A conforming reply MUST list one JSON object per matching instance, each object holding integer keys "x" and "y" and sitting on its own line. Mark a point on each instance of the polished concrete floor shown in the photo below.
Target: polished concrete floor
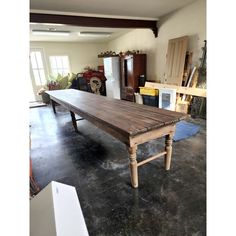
{"x": 167, "y": 203}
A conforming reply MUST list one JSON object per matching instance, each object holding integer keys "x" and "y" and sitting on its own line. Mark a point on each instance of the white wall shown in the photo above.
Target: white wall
{"x": 80, "y": 54}
{"x": 139, "y": 39}
{"x": 190, "y": 20}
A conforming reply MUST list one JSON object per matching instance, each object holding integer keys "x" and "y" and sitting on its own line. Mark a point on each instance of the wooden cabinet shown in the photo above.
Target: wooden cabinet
{"x": 132, "y": 66}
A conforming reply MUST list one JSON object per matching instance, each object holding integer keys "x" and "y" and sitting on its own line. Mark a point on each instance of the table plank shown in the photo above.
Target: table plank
{"x": 125, "y": 117}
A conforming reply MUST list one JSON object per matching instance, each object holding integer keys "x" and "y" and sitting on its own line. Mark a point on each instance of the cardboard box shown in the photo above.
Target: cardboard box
{"x": 182, "y": 106}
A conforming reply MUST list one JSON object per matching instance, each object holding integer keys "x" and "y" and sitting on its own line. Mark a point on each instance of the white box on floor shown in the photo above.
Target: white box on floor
{"x": 56, "y": 211}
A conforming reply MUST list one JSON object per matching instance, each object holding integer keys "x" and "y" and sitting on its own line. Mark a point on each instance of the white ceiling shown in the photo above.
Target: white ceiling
{"x": 74, "y": 37}
{"x": 136, "y": 9}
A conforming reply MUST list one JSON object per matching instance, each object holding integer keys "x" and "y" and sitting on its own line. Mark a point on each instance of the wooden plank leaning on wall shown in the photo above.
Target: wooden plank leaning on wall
{"x": 175, "y": 60}
{"x": 179, "y": 89}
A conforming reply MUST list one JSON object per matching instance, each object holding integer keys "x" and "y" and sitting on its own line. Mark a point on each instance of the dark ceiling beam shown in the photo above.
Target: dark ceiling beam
{"x": 87, "y": 21}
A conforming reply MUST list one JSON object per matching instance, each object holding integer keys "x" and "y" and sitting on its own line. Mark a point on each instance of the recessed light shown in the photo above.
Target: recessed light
{"x": 51, "y": 32}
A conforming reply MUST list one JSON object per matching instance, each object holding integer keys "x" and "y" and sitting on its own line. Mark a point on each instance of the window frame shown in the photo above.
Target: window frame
{"x": 53, "y": 69}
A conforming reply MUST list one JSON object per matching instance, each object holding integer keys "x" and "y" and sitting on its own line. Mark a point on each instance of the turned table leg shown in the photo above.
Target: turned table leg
{"x": 53, "y": 106}
{"x": 74, "y": 121}
{"x": 133, "y": 166}
{"x": 168, "y": 149}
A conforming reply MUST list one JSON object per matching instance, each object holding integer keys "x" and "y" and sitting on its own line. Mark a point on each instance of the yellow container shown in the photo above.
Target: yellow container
{"x": 148, "y": 91}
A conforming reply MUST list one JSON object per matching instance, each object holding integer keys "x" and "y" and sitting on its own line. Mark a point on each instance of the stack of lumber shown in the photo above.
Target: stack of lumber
{"x": 188, "y": 88}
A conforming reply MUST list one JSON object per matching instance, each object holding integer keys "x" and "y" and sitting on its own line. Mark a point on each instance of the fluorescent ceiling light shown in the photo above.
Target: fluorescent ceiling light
{"x": 94, "y": 34}
{"x": 52, "y": 24}
{"x": 49, "y": 24}
{"x": 51, "y": 33}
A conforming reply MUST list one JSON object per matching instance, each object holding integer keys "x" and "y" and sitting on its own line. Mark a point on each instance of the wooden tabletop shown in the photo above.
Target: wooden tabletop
{"x": 123, "y": 116}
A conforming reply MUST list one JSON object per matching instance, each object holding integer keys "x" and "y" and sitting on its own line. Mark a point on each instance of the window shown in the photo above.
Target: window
{"x": 37, "y": 67}
{"x": 59, "y": 65}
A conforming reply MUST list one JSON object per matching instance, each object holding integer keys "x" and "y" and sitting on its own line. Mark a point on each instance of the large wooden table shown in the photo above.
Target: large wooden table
{"x": 131, "y": 123}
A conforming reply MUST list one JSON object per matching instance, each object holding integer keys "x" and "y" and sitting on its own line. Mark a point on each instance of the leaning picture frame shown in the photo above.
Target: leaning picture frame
{"x": 167, "y": 98}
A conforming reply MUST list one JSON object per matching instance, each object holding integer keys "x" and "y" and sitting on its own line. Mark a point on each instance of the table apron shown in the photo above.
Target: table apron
{"x": 152, "y": 134}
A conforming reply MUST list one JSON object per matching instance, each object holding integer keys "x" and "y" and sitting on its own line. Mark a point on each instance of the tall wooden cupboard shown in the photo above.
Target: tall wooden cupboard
{"x": 132, "y": 67}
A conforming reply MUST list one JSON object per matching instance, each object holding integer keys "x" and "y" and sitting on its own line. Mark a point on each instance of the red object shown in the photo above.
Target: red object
{"x": 93, "y": 73}
{"x": 53, "y": 86}
{"x": 30, "y": 169}
{"x": 34, "y": 189}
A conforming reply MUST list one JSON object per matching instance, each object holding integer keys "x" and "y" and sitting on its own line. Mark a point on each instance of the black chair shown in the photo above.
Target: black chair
{"x": 83, "y": 84}
{"x": 80, "y": 83}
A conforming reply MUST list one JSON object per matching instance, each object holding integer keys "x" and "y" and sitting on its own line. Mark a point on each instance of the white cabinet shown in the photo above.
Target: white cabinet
{"x": 112, "y": 74}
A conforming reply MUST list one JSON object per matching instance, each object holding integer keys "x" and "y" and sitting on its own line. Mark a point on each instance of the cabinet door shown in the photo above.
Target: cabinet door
{"x": 128, "y": 71}
{"x": 107, "y": 61}
{"x": 132, "y": 66}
